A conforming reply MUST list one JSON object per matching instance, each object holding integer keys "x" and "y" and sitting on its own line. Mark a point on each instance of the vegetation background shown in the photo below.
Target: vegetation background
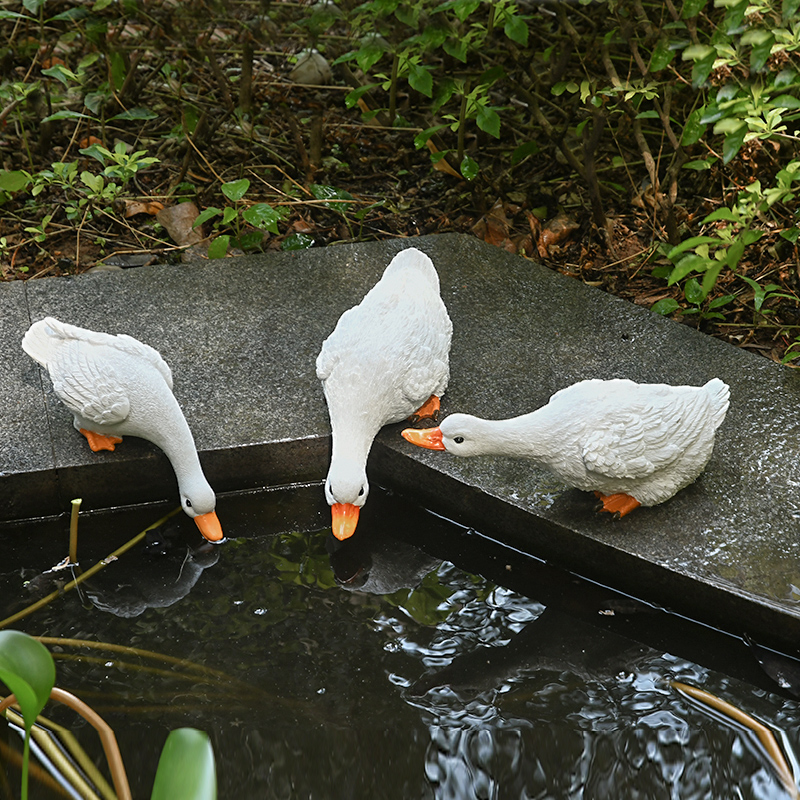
{"x": 647, "y": 148}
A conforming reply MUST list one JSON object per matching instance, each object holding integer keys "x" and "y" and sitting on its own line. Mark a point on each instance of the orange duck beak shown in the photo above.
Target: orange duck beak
{"x": 424, "y": 437}
{"x": 344, "y": 520}
{"x": 209, "y": 526}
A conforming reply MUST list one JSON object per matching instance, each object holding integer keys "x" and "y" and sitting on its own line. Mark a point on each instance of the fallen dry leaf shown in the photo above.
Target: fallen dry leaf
{"x": 178, "y": 221}
{"x": 558, "y": 230}
{"x": 88, "y": 141}
{"x": 134, "y": 207}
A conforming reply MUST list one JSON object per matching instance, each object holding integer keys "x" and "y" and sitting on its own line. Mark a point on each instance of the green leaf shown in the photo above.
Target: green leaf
{"x": 732, "y": 144}
{"x": 206, "y": 215}
{"x": 65, "y": 114}
{"x": 665, "y": 306}
{"x": 354, "y": 96}
{"x": 721, "y": 214}
{"x": 695, "y": 128}
{"x": 421, "y": 139}
{"x": 27, "y": 669}
{"x": 60, "y": 73}
{"x": 457, "y": 48}
{"x": 135, "y": 113}
{"x": 702, "y": 69}
{"x": 693, "y": 292}
{"x": 523, "y": 151}
{"x": 74, "y": 14}
{"x": 691, "y": 8}
{"x": 469, "y": 168}
{"x": 790, "y": 234}
{"x": 228, "y": 215}
{"x": 118, "y": 70}
{"x": 235, "y": 190}
{"x": 323, "y": 192}
{"x": 186, "y": 769}
{"x": 710, "y": 278}
{"x": 219, "y": 247}
{"x": 420, "y": 79}
{"x": 297, "y": 241}
{"x": 721, "y": 301}
{"x": 662, "y": 55}
{"x": 488, "y": 120}
{"x": 13, "y": 15}
{"x": 700, "y": 164}
{"x": 262, "y": 216}
{"x": 692, "y": 263}
{"x": 517, "y": 30}
{"x": 33, "y": 5}
{"x": 13, "y": 180}
{"x": 688, "y": 244}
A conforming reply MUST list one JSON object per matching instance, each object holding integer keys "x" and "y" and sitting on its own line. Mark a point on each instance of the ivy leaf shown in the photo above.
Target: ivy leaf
{"x": 235, "y": 190}
{"x": 262, "y": 216}
{"x": 219, "y": 247}
{"x": 665, "y": 306}
{"x": 324, "y": 192}
{"x": 469, "y": 168}
{"x": 297, "y": 241}
{"x": 489, "y": 121}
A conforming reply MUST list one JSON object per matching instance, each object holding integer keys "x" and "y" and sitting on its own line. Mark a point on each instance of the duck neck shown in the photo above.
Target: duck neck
{"x": 352, "y": 439}
{"x": 179, "y": 447}
{"x": 527, "y": 436}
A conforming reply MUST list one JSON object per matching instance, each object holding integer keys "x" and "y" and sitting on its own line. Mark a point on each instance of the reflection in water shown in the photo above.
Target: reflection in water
{"x": 373, "y": 670}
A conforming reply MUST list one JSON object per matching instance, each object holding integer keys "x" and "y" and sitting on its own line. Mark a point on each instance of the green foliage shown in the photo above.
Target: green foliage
{"x": 27, "y": 669}
{"x": 186, "y": 769}
{"x": 261, "y": 216}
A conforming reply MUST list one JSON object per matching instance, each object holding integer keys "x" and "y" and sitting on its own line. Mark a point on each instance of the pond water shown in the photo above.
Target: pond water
{"x": 417, "y": 660}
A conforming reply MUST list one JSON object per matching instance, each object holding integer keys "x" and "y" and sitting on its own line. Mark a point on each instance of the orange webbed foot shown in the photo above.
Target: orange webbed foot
{"x": 428, "y": 410}
{"x": 617, "y": 504}
{"x": 99, "y": 441}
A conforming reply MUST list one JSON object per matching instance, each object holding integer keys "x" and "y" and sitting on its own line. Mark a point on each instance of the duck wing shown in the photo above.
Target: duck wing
{"x": 89, "y": 386}
{"x": 648, "y": 433}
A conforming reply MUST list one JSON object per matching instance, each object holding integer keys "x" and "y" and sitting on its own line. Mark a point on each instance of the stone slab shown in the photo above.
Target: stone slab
{"x": 242, "y": 335}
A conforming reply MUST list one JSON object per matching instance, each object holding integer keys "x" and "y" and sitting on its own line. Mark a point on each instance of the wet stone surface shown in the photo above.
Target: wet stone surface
{"x": 242, "y": 335}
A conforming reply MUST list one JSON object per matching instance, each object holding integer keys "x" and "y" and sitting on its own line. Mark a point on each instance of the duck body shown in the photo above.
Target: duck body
{"x": 614, "y": 437}
{"x": 116, "y": 386}
{"x": 385, "y": 359}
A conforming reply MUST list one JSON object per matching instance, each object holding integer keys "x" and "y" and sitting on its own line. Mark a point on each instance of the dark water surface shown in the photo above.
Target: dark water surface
{"x": 375, "y": 669}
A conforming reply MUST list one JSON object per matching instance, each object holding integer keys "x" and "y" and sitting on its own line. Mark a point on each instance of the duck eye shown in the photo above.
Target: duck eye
{"x": 458, "y": 439}
{"x": 361, "y": 492}
{"x": 188, "y": 503}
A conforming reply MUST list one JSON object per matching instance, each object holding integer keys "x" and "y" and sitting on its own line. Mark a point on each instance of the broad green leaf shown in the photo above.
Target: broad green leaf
{"x": 694, "y": 129}
{"x": 666, "y": 305}
{"x": 219, "y": 247}
{"x": 27, "y": 669}
{"x": 692, "y": 263}
{"x": 74, "y": 14}
{"x": 186, "y": 769}
{"x": 420, "y": 79}
{"x": 118, "y": 70}
{"x": 13, "y": 180}
{"x": 33, "y": 5}
{"x": 469, "y": 168}
{"x": 262, "y": 216}
{"x": 60, "y": 73}
{"x": 206, "y": 215}
{"x": 12, "y": 15}
{"x": 734, "y": 253}
{"x": 323, "y": 192}
{"x": 96, "y": 151}
{"x": 691, "y": 8}
{"x": 95, "y": 183}
{"x": 688, "y": 244}
{"x": 135, "y": 113}
{"x": 65, "y": 114}
{"x": 457, "y": 48}
{"x": 786, "y": 101}
{"x": 722, "y": 213}
{"x": 732, "y": 144}
{"x": 297, "y": 241}
{"x": 702, "y": 69}
{"x": 700, "y": 164}
{"x": 790, "y": 9}
{"x": 489, "y": 121}
{"x": 235, "y": 190}
{"x": 791, "y": 234}
{"x": 517, "y": 30}
{"x": 228, "y": 215}
{"x": 721, "y": 301}
{"x": 693, "y": 292}
{"x": 662, "y": 55}
{"x": 710, "y": 278}
{"x": 523, "y": 151}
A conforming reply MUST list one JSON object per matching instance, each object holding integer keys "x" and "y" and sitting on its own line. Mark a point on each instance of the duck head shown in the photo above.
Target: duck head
{"x": 199, "y": 503}
{"x": 459, "y": 434}
{"x": 346, "y": 490}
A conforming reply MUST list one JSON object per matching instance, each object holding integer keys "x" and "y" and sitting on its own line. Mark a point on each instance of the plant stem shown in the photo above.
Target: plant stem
{"x": 73, "y": 531}
{"x": 393, "y": 90}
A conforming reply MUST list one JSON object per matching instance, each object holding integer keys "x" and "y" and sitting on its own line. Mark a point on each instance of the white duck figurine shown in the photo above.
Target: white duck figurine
{"x": 116, "y": 386}
{"x": 387, "y": 358}
{"x": 632, "y": 444}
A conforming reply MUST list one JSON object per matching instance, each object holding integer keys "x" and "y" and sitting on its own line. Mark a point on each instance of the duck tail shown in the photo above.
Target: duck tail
{"x": 719, "y": 394}
{"x": 38, "y": 341}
